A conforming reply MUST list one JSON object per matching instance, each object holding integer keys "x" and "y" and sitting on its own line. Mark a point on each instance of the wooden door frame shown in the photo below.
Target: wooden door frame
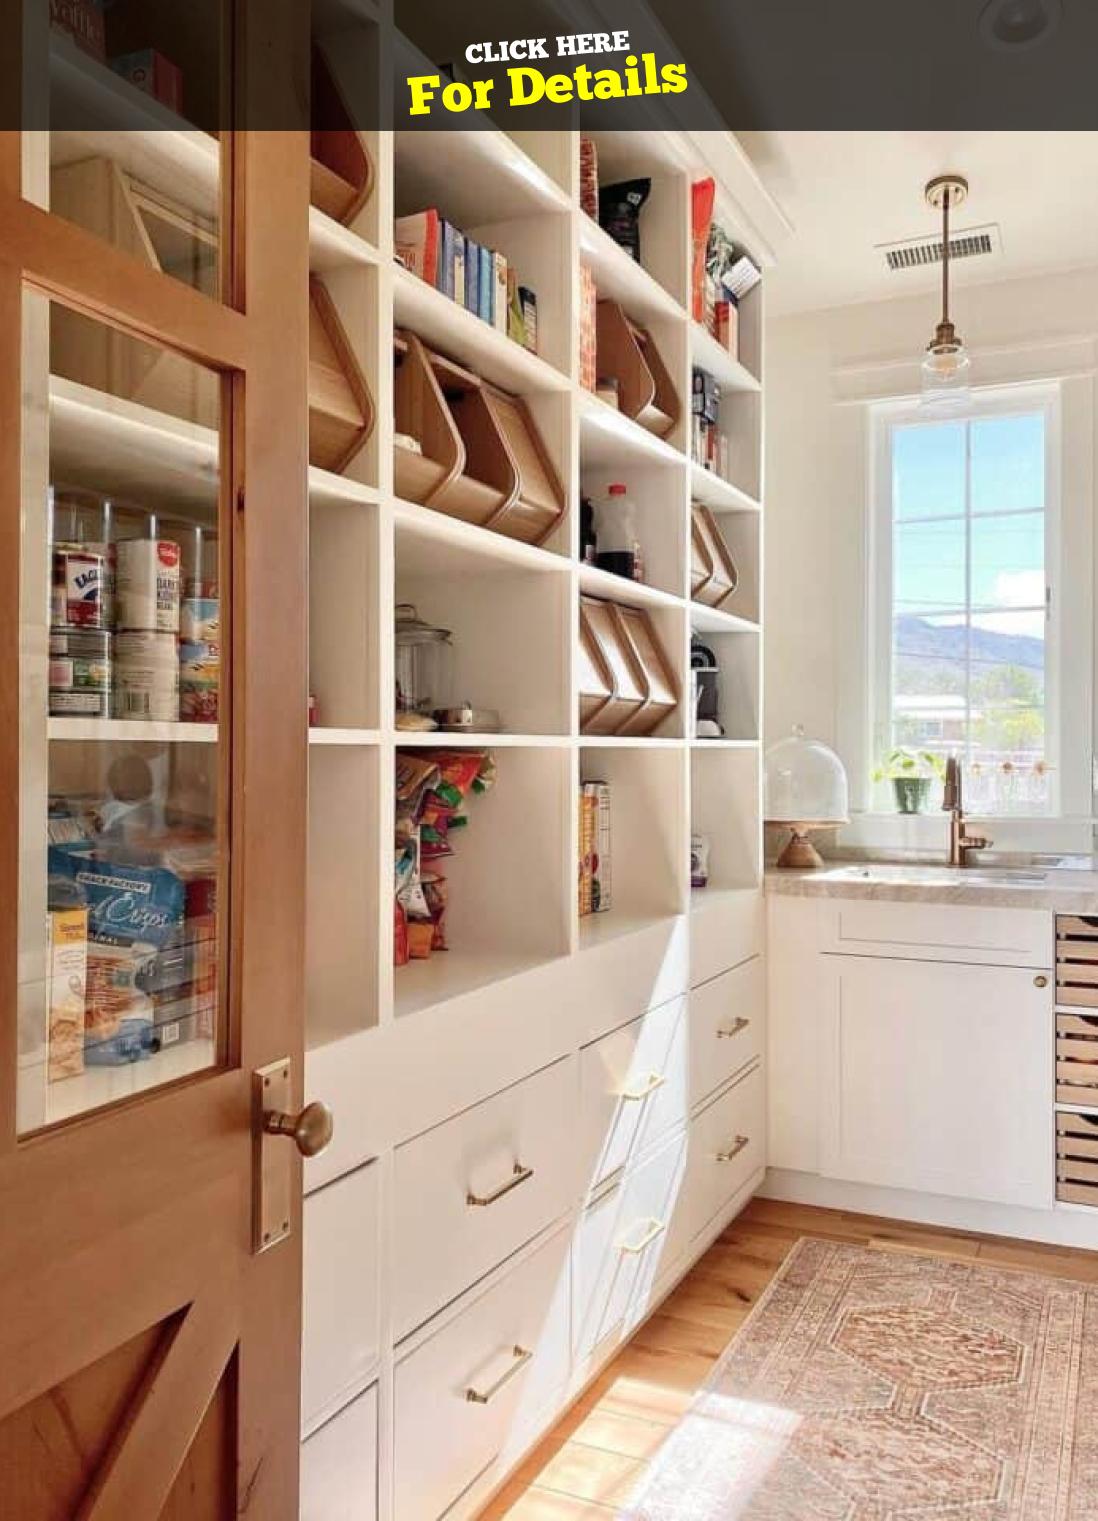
{"x": 199, "y": 1225}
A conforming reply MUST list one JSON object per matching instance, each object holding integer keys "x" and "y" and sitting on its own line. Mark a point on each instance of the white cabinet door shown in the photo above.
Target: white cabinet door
{"x": 793, "y": 1016}
{"x": 339, "y": 1465}
{"x": 938, "y": 1078}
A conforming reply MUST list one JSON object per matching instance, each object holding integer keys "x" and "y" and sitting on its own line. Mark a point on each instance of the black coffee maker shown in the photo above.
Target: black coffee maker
{"x": 705, "y": 675}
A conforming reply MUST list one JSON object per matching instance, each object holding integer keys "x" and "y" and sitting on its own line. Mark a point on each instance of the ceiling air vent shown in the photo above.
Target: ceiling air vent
{"x": 918, "y": 253}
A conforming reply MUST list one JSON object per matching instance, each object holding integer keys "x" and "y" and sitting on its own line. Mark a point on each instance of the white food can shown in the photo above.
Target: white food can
{"x": 146, "y": 677}
{"x": 148, "y": 581}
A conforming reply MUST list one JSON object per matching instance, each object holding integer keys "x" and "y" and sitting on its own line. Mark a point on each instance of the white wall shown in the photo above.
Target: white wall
{"x": 817, "y": 478}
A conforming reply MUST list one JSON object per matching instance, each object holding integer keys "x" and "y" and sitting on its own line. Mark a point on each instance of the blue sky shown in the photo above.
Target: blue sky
{"x": 1008, "y": 553}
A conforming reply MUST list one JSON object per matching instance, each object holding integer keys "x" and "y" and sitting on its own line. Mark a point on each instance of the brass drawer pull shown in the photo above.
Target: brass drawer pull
{"x": 519, "y": 1176}
{"x": 734, "y": 1150}
{"x": 1040, "y": 981}
{"x": 638, "y": 1095}
{"x": 739, "y": 1024}
{"x": 653, "y": 1233}
{"x": 477, "y": 1397}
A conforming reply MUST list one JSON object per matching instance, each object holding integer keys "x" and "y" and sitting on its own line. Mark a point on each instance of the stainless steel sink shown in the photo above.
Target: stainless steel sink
{"x": 987, "y": 876}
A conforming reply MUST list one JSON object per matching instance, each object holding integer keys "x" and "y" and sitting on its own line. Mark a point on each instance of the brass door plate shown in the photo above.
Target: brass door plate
{"x": 275, "y": 1160}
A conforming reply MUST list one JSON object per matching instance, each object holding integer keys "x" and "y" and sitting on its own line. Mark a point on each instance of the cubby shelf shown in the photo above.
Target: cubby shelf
{"x": 723, "y": 496}
{"x": 712, "y": 620}
{"x": 319, "y": 735}
{"x": 438, "y": 528}
{"x": 708, "y": 354}
{"x": 131, "y": 731}
{"x": 478, "y": 176}
{"x": 613, "y": 588}
{"x": 608, "y": 437}
{"x": 458, "y": 333}
{"x": 618, "y": 276}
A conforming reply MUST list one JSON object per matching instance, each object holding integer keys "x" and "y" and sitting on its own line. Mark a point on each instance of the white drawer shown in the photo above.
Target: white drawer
{"x": 473, "y": 1190}
{"x": 938, "y": 932}
{"x": 339, "y": 1341}
{"x": 727, "y": 1146}
{"x": 726, "y": 1027}
{"x": 510, "y": 1347}
{"x": 626, "y": 1241}
{"x": 339, "y": 1465}
{"x": 724, "y": 930}
{"x": 633, "y": 1089}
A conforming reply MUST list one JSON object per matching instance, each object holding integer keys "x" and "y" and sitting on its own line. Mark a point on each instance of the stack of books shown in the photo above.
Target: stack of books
{"x": 475, "y": 276}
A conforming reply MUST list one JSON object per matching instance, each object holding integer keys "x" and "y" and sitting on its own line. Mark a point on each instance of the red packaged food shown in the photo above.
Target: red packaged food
{"x": 401, "y": 955}
{"x": 702, "y": 196}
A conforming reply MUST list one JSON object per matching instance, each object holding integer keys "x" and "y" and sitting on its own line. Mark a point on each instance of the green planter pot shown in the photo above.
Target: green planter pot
{"x": 911, "y": 793}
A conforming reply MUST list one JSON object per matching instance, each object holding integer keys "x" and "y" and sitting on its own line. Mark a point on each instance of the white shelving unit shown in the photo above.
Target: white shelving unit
{"x": 425, "y": 1056}
{"x": 404, "y": 1054}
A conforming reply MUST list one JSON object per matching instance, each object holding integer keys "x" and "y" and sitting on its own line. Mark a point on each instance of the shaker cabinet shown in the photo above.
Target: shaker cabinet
{"x": 937, "y": 1077}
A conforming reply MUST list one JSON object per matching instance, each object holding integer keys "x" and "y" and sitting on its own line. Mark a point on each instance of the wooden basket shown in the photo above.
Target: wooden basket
{"x": 626, "y": 683}
{"x": 421, "y": 412}
{"x": 627, "y": 352}
{"x": 482, "y": 457}
{"x": 341, "y": 409}
{"x": 661, "y": 693}
{"x": 713, "y": 574}
{"x": 341, "y": 171}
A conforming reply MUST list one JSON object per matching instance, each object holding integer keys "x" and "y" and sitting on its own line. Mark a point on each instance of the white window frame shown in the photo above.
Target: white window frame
{"x": 1067, "y": 751}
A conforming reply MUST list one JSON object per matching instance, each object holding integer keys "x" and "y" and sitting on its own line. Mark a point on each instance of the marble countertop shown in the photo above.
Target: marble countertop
{"x": 1053, "y": 888}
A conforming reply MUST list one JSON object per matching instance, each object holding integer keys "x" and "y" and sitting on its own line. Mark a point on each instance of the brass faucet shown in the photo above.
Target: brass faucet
{"x": 960, "y": 843}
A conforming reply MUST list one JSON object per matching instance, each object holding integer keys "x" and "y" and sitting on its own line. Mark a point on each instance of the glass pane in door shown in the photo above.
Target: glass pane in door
{"x": 135, "y": 92}
{"x": 123, "y": 692}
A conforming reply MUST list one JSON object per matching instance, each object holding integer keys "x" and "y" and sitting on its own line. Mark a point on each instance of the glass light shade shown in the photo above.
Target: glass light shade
{"x": 805, "y": 783}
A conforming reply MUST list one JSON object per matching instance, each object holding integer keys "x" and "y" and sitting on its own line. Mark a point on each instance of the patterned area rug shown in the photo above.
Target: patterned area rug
{"x": 870, "y": 1385}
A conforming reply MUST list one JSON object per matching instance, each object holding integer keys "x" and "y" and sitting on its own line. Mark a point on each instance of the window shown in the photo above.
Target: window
{"x": 962, "y": 579}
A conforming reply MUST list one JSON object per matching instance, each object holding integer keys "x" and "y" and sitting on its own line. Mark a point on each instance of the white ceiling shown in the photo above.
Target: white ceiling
{"x": 846, "y": 192}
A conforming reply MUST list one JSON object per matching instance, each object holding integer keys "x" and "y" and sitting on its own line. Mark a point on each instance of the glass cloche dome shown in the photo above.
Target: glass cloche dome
{"x": 806, "y": 789}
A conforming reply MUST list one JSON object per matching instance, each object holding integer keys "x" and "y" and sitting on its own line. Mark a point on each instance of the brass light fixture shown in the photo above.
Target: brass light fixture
{"x": 947, "y": 365}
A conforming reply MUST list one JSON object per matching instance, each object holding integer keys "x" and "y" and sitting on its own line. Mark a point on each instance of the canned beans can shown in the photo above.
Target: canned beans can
{"x": 147, "y": 585}
{"x": 146, "y": 677}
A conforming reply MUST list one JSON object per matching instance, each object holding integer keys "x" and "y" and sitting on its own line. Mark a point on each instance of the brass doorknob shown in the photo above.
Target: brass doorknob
{"x": 311, "y": 1130}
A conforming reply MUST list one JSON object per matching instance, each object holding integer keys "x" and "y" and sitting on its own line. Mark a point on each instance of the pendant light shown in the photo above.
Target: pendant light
{"x": 946, "y": 366}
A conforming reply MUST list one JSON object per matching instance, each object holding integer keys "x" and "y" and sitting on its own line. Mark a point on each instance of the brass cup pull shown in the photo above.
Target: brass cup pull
{"x": 310, "y": 1131}
{"x": 481, "y": 1201}
{"x": 734, "y": 1150}
{"x": 737, "y": 1027}
{"x": 653, "y": 1233}
{"x": 653, "y": 1081}
{"x": 1040, "y": 982}
{"x": 485, "y": 1396}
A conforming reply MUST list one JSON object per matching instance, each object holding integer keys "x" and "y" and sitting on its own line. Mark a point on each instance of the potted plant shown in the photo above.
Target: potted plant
{"x": 911, "y": 773}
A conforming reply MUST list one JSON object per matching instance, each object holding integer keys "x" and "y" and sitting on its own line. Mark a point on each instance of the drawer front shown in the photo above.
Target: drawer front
{"x": 339, "y": 1338}
{"x": 492, "y": 1369}
{"x": 626, "y": 1241}
{"x": 339, "y": 1465}
{"x": 473, "y": 1190}
{"x": 1077, "y": 961}
{"x": 727, "y": 1146}
{"x": 633, "y": 1089}
{"x": 726, "y": 1027}
{"x": 938, "y": 932}
{"x": 724, "y": 931}
{"x": 1077, "y": 1158}
{"x": 1077, "y": 1058}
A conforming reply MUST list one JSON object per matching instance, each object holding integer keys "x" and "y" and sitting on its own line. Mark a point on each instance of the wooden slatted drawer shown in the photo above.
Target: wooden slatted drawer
{"x": 1077, "y": 960}
{"x": 1077, "y": 1058}
{"x": 1077, "y": 1158}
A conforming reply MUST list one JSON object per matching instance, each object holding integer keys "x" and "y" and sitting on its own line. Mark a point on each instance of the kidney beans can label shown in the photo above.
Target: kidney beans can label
{"x": 148, "y": 585}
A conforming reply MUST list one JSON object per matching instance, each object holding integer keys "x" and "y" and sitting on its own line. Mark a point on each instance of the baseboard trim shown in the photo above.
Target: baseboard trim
{"x": 1062, "y": 1226}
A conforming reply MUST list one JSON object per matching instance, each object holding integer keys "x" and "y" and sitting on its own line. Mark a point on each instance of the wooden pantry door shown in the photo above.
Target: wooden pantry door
{"x": 149, "y": 1355}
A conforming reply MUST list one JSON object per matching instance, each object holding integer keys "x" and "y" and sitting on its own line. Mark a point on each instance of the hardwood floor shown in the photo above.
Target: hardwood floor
{"x": 590, "y": 1461}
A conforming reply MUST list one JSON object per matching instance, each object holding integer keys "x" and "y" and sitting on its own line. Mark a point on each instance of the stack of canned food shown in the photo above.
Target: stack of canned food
{"x": 127, "y": 638}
